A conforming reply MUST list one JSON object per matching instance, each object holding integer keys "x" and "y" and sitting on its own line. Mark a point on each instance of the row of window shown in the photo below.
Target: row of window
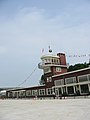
{"x": 72, "y": 80}
{"x": 73, "y": 89}
{"x": 51, "y": 60}
{"x": 35, "y": 92}
{"x": 49, "y": 91}
{"x": 27, "y": 93}
{"x": 48, "y": 69}
{"x": 21, "y": 93}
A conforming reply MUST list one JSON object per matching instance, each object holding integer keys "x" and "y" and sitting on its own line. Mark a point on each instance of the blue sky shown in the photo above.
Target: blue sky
{"x": 27, "y": 26}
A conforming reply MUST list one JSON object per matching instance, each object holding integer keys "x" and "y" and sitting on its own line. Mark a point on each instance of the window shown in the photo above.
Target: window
{"x": 54, "y": 60}
{"x": 47, "y": 70}
{"x": 49, "y": 79}
{"x": 84, "y": 88}
{"x": 14, "y": 94}
{"x": 70, "y": 90}
{"x": 58, "y": 69}
{"x": 42, "y": 92}
{"x": 57, "y": 61}
{"x": 83, "y": 78}
{"x": 70, "y": 80}
{"x": 34, "y": 92}
{"x": 59, "y": 82}
{"x": 28, "y": 93}
{"x": 22, "y": 93}
{"x": 49, "y": 91}
{"x": 45, "y": 60}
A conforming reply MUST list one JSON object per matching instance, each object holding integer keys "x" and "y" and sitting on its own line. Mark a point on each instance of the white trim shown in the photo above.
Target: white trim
{"x": 85, "y": 82}
{"x": 49, "y": 65}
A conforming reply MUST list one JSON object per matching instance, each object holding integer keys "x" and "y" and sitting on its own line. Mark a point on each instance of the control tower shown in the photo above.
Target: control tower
{"x": 52, "y": 65}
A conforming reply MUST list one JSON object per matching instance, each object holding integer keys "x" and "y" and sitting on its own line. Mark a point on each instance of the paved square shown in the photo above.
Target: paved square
{"x": 68, "y": 109}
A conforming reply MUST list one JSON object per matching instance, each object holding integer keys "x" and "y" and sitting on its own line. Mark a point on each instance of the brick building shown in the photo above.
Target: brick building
{"x": 58, "y": 82}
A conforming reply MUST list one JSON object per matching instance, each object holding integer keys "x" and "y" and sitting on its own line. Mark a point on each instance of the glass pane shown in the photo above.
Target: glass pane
{"x": 69, "y": 80}
{"x": 59, "y": 82}
{"x": 84, "y": 89}
{"x": 70, "y": 90}
{"x": 83, "y": 78}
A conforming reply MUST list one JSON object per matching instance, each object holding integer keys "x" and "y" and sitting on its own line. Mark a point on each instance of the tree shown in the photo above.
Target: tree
{"x": 42, "y": 80}
{"x": 78, "y": 66}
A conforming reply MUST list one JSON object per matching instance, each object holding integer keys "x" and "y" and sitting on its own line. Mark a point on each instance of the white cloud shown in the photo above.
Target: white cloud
{"x": 31, "y": 30}
{"x": 32, "y": 27}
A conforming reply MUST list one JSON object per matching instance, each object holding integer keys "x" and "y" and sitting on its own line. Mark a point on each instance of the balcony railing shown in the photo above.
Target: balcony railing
{"x": 41, "y": 65}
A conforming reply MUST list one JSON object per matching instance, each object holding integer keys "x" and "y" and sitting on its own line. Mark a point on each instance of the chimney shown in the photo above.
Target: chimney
{"x": 62, "y": 58}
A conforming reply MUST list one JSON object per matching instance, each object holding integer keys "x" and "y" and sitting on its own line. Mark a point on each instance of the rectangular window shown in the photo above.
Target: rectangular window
{"x": 84, "y": 88}
{"x": 47, "y": 70}
{"x": 34, "y": 92}
{"x": 42, "y": 92}
{"x": 28, "y": 93}
{"x": 49, "y": 91}
{"x": 58, "y": 69}
{"x": 70, "y": 90}
{"x": 59, "y": 82}
{"x": 70, "y": 80}
{"x": 49, "y": 79}
{"x": 22, "y": 93}
{"x": 82, "y": 78}
{"x": 58, "y": 61}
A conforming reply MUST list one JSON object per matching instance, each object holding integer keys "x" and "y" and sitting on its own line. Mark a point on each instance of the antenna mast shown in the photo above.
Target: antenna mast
{"x": 50, "y": 50}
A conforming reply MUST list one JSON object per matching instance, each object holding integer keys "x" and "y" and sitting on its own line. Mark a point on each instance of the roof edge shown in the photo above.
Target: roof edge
{"x": 71, "y": 72}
